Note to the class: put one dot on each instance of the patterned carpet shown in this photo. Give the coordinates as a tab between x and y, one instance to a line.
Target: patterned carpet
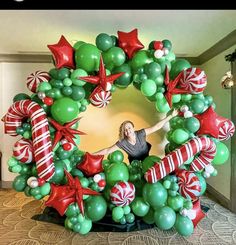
17	227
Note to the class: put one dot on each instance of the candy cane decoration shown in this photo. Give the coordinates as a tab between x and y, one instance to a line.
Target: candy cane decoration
203	145
42	146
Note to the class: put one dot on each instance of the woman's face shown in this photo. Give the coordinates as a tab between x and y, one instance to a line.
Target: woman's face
128	130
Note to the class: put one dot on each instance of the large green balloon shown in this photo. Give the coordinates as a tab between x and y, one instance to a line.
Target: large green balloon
20	182
139	207
164	218
183	225
87	57
178	66
117	172
125	79
64	110
222	154
104	41
152	70
192	124
140	59
197	106
95	207
115	56
155	194
149	162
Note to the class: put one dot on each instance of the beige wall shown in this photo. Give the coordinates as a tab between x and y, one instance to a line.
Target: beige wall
215	69
13	81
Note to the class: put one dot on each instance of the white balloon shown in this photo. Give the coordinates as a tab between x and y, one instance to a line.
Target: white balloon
191	214
158	53
34	184
31	179
166	51
184	108
206	174
209	169
188	114
97	178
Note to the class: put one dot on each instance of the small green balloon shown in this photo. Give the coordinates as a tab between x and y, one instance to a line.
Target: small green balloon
64	110
183	225
125	79
165	218
20	182
177	66
202	182
180	136
186	97
140	59
197	106
45	189
75	77
117	213
162	105
16	168
72	210
85	226
149	217
148	87
140	207
78	93
176	203
21	96
44	86
12	162
222	154
152	70
116	156
192	124
167	44
104	41
63	73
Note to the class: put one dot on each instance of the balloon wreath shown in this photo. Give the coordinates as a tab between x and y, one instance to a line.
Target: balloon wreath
85	187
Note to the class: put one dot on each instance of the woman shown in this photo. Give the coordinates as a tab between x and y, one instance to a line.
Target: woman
134	142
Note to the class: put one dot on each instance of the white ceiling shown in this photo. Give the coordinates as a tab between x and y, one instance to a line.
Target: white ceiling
191	31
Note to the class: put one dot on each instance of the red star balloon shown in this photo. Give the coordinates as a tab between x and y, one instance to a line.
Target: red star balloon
209	122
199	214
62	196
63	53
91	165
171	87
102	80
65	131
129	42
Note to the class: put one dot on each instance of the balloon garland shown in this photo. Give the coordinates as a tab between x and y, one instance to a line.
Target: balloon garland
85	187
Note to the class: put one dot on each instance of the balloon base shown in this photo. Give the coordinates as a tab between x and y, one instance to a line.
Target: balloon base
50	215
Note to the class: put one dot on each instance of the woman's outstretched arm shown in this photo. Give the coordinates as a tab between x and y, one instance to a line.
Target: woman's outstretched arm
107	150
160	124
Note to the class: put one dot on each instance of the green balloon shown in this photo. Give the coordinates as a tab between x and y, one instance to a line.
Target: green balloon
75	77
178	66
63	73
104	41
167	44
192	124
95	207
116	156
149	217
21	96
78	44
44	86
148	87
117	213
20	182
197	106
58	175
78	93
152	70
148	162
176	122
186	97
116	172
163	63
180	136
115	56
159	80
140	59
162	105
85	226
165	218
183	225
87	57
72	210
64	110
45	189
176	202
155	194
222	154
140	207
125	79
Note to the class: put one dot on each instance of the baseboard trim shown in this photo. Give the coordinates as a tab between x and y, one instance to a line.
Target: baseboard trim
211	192
6	184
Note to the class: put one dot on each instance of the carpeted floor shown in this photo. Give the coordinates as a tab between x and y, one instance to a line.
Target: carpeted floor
17	227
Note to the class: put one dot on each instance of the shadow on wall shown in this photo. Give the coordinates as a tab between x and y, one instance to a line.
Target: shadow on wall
102	124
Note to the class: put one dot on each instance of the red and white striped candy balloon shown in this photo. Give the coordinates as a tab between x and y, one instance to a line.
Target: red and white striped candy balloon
23	150
122	194
189	185
226	130
101	98
35	78
193	80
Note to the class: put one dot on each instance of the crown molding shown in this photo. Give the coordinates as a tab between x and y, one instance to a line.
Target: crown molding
224	44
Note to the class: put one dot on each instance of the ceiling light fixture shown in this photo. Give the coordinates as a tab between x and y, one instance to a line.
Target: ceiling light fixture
19	0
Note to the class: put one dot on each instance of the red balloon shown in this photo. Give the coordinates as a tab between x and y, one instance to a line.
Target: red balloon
199	214
48	101
210	122
63	53
158	45
129	42
91	165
